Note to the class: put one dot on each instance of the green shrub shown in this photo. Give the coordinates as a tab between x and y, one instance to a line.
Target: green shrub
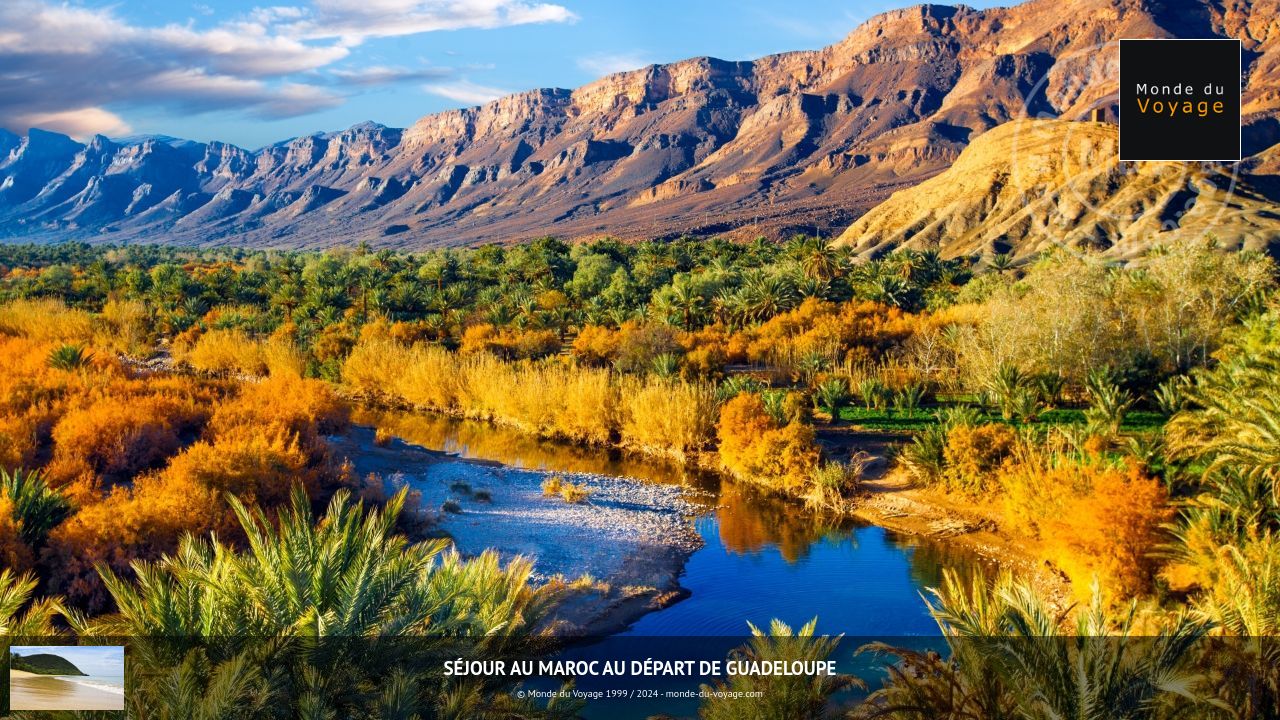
37	507
830	395
69	357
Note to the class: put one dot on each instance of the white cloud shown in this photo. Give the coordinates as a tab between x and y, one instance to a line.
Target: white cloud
385	75
465	91
609	63
355	20
66	65
78	66
79	123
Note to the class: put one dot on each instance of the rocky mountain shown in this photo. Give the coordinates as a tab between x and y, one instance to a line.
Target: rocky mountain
1030	185
800	141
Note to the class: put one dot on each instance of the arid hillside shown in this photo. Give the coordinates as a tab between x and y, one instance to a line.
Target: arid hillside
1032	184
802	141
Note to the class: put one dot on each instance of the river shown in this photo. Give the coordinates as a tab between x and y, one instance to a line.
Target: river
761	558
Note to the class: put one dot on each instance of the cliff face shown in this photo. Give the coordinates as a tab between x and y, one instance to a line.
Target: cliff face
797	141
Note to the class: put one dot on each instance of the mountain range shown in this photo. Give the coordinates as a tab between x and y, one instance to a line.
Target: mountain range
804	141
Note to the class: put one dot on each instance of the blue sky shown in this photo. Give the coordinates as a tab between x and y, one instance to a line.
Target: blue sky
92	660
252	73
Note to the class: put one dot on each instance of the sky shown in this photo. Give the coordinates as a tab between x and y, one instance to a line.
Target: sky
90	659
252	73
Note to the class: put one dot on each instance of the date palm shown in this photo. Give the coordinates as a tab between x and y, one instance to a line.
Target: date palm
1012	657
1235	423
1005	388
38	507
1001	263
792	697
1108	402
20	615
1243	601
831	394
325	610
819	260
766	295
69	357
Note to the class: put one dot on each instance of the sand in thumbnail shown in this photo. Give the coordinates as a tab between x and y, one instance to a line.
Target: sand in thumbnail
28	691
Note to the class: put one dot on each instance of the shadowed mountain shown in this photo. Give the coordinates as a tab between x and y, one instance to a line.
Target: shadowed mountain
800	141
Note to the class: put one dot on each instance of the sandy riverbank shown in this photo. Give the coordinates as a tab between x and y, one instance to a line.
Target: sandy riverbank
631	537
891	502
28	691
887	498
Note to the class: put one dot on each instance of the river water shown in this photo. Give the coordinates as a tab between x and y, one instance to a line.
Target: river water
763	558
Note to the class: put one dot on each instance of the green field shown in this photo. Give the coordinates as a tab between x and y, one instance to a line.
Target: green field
893	420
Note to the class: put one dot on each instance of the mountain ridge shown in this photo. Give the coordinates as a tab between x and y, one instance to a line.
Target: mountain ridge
44	664
1032	185
799	141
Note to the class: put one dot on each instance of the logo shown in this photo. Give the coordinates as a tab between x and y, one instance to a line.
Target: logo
1180	100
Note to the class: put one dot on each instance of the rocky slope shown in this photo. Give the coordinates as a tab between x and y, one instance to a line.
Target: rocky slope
1029	185
797	141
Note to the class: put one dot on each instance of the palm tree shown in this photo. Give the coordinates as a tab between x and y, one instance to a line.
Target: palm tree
20	615
830	395
1243	602
1236	420
1001	263
1108	402
1010	658
69	357
326	610
36	506
819	259
766	295
681	302
728	307
1006	388
791	697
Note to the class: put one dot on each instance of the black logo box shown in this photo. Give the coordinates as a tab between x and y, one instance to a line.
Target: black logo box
1185	63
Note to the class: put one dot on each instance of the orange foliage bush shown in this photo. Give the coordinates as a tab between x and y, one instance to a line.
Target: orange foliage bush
753	447
974	452
223	351
127	525
20	437
286	406
1111	532
595	346
256	466
14	553
509	343
481	337
103	422
258	444
849	332
114	438
707	351
640	343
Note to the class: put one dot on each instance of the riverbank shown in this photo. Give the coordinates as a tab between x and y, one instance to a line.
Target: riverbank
891	502
29	691
620	552
886	497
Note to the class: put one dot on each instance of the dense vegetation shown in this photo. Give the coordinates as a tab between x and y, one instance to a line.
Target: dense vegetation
1118	422
43	664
